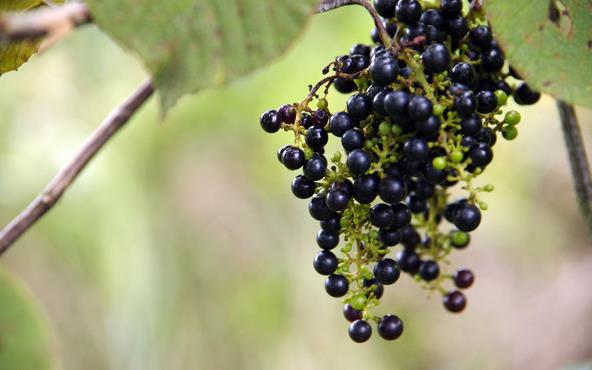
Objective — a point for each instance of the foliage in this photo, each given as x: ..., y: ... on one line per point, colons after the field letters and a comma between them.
x: 549, y: 43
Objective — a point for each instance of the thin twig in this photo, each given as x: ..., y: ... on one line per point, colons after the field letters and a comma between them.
x: 62, y: 181
x: 327, y: 5
x: 578, y: 159
x: 44, y: 21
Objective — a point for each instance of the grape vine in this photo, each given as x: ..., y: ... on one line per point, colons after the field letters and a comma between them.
x: 426, y: 107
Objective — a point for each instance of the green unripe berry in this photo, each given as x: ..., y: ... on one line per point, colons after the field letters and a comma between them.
x: 502, y: 97
x: 438, y: 109
x: 396, y: 130
x: 308, y: 153
x: 373, y: 234
x: 322, y: 103
x: 358, y: 302
x: 456, y: 156
x: 488, y: 188
x: 509, y: 132
x: 459, y: 238
x: 369, y: 144
x: 512, y: 118
x: 483, y: 206
x: 439, y: 163
x: 384, y: 128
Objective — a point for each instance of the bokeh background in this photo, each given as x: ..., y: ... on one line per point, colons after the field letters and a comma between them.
x: 181, y: 246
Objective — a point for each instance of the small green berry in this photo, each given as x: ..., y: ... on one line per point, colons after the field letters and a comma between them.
x: 322, y: 103
x: 358, y: 302
x: 438, y: 109
x: 439, y: 163
x: 459, y: 238
x: 483, y: 206
x: 308, y: 152
x: 509, y: 132
x: 369, y: 144
x: 396, y: 130
x: 456, y: 156
x: 512, y: 118
x: 373, y: 234
x: 384, y: 128
x: 336, y: 157
x: 488, y: 188
x: 502, y: 97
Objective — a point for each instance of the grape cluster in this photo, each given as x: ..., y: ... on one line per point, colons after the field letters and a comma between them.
x: 425, y: 110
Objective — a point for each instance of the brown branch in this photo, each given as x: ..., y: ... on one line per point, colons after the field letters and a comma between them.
x: 578, y: 159
x: 327, y: 5
x: 44, y: 21
x: 62, y: 181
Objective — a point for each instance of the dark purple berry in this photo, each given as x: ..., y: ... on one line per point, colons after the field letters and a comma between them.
x: 524, y: 95
x: 336, y: 285
x: 387, y: 271
x: 315, y: 168
x: 492, y: 60
x: 429, y: 270
x: 402, y: 215
x: 318, y: 208
x: 390, y: 327
x: 270, y: 121
x: 287, y: 113
x: 436, y: 58
x: 416, y: 149
x: 481, y: 36
x: 454, y: 301
x: 451, y: 8
x: 382, y: 215
x: 337, y: 200
x: 325, y: 262
x: 463, y: 278
x: 464, y: 73
x: 360, y: 331
x: 396, y: 103
x: 327, y: 240
x: 302, y: 187
x: 358, y: 161
x: 293, y: 158
x: 351, y: 314
x: 486, y: 102
x: 352, y: 139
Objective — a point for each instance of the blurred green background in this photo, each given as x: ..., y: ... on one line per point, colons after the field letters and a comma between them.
x: 181, y: 246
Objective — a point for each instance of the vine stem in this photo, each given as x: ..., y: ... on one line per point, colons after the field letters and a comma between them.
x: 327, y: 5
x: 578, y: 159
x: 118, y: 117
x: 44, y: 21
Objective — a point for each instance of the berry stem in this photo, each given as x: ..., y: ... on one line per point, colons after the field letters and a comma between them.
x: 45, y: 201
x: 578, y: 159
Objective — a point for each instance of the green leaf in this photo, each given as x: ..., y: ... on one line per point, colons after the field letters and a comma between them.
x: 24, y: 336
x: 549, y: 43
x: 188, y: 45
x: 15, y: 54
